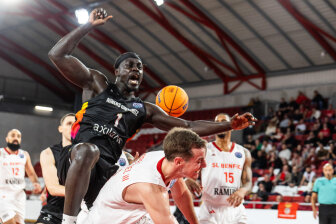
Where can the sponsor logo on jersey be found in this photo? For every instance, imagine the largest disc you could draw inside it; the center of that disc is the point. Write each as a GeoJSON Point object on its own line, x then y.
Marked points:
{"type": "Point", "coordinates": [212, 212]}
{"type": "Point", "coordinates": [224, 190]}
{"type": "Point", "coordinates": [137, 105]}
{"type": "Point", "coordinates": [238, 155]}
{"type": "Point", "coordinates": [21, 155]}
{"type": "Point", "coordinates": [122, 162]}
{"type": "Point", "coordinates": [123, 107]}
{"type": "Point", "coordinates": [171, 183]}
{"type": "Point", "coordinates": [104, 130]}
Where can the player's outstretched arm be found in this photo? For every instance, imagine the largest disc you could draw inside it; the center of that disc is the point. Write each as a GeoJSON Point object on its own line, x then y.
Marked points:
{"type": "Point", "coordinates": [32, 175]}
{"type": "Point", "coordinates": [72, 68]}
{"type": "Point", "coordinates": [49, 173]}
{"type": "Point", "coordinates": [160, 119]}
{"type": "Point", "coordinates": [183, 200]}
{"type": "Point", "coordinates": [246, 179]}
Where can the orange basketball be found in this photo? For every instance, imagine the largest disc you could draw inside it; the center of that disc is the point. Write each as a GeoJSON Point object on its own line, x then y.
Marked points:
{"type": "Point", "coordinates": [173, 99]}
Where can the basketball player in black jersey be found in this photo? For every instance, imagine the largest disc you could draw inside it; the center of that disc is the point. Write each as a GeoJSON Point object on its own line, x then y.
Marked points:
{"type": "Point", "coordinates": [110, 114]}
{"type": "Point", "coordinates": [52, 212]}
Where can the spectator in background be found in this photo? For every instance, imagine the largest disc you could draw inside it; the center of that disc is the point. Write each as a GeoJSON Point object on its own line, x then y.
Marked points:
{"type": "Point", "coordinates": [271, 127]}
{"type": "Point", "coordinates": [284, 177]}
{"type": "Point", "coordinates": [311, 139]}
{"type": "Point", "coordinates": [325, 131]}
{"type": "Point", "coordinates": [266, 146]}
{"type": "Point", "coordinates": [318, 100]}
{"type": "Point", "coordinates": [249, 142]}
{"type": "Point", "coordinates": [279, 199]}
{"type": "Point", "coordinates": [302, 98]}
{"type": "Point", "coordinates": [315, 115]}
{"type": "Point", "coordinates": [330, 112]}
{"type": "Point", "coordinates": [285, 122]}
{"type": "Point", "coordinates": [296, 160]}
{"type": "Point", "coordinates": [296, 176]}
{"type": "Point", "coordinates": [300, 128]}
{"type": "Point", "coordinates": [289, 140]}
{"type": "Point", "coordinates": [293, 105]}
{"type": "Point", "coordinates": [283, 106]}
{"type": "Point", "coordinates": [320, 138]}
{"type": "Point", "coordinates": [267, 183]}
{"type": "Point", "coordinates": [260, 162]}
{"type": "Point", "coordinates": [262, 193]}
{"type": "Point", "coordinates": [332, 150]}
{"type": "Point", "coordinates": [290, 190]}
{"type": "Point", "coordinates": [285, 153]}
{"type": "Point", "coordinates": [308, 176]}
{"type": "Point", "coordinates": [274, 161]}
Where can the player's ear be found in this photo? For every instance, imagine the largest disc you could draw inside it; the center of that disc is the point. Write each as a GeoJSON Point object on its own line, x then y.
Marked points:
{"type": "Point", "coordinates": [116, 72]}
{"type": "Point", "coordinates": [178, 161]}
{"type": "Point", "coordinates": [60, 129]}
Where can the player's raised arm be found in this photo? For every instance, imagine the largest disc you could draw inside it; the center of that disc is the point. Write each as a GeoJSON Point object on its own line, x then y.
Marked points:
{"type": "Point", "coordinates": [157, 117]}
{"type": "Point", "coordinates": [71, 68]}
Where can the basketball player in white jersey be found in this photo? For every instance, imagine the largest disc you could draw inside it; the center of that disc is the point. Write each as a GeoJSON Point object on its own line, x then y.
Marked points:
{"type": "Point", "coordinates": [14, 163]}
{"type": "Point", "coordinates": [225, 181]}
{"type": "Point", "coordinates": [142, 188]}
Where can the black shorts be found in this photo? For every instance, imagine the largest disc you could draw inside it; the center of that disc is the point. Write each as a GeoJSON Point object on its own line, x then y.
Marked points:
{"type": "Point", "coordinates": [47, 218]}
{"type": "Point", "coordinates": [100, 173]}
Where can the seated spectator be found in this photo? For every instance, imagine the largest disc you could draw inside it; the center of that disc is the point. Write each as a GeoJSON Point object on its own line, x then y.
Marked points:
{"type": "Point", "coordinates": [315, 115]}
{"type": "Point", "coordinates": [249, 142]}
{"type": "Point", "coordinates": [273, 161]}
{"type": "Point", "coordinates": [283, 104]}
{"type": "Point", "coordinates": [297, 116]}
{"type": "Point", "coordinates": [262, 193]}
{"type": "Point", "coordinates": [325, 131]}
{"type": "Point", "coordinates": [296, 176]}
{"type": "Point", "coordinates": [332, 150]}
{"type": "Point", "coordinates": [311, 158]}
{"type": "Point", "coordinates": [322, 154]}
{"type": "Point", "coordinates": [300, 128]}
{"type": "Point", "coordinates": [285, 152]}
{"type": "Point", "coordinates": [271, 127]}
{"type": "Point", "coordinates": [308, 176]}
{"type": "Point", "coordinates": [279, 199]}
{"type": "Point", "coordinates": [289, 140]}
{"type": "Point", "coordinates": [322, 139]}
{"type": "Point", "coordinates": [311, 139]}
{"type": "Point", "coordinates": [266, 146]}
{"type": "Point", "coordinates": [296, 160]}
{"type": "Point", "coordinates": [290, 190]}
{"type": "Point", "coordinates": [285, 122]}
{"type": "Point", "coordinates": [302, 98]}
{"type": "Point", "coordinates": [330, 112]}
{"type": "Point", "coordinates": [284, 177]}
{"type": "Point", "coordinates": [267, 183]}
{"type": "Point", "coordinates": [307, 199]}
{"type": "Point", "coordinates": [278, 136]}
{"type": "Point", "coordinates": [260, 162]}
{"type": "Point", "coordinates": [292, 105]}
{"type": "Point", "coordinates": [318, 100]}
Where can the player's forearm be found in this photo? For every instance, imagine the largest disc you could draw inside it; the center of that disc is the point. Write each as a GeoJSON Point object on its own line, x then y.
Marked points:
{"type": "Point", "coordinates": [33, 177]}
{"type": "Point", "coordinates": [204, 128]}
{"type": "Point", "coordinates": [186, 206]}
{"type": "Point", "coordinates": [313, 202]}
{"type": "Point", "coordinates": [68, 43]}
{"type": "Point", "coordinates": [56, 190]}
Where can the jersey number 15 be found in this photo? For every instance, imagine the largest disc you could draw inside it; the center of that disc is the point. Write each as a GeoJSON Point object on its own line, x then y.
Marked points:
{"type": "Point", "coordinates": [229, 177]}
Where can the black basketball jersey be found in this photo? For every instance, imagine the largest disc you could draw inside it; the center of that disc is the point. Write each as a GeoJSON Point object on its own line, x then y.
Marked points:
{"type": "Point", "coordinates": [55, 204]}
{"type": "Point", "coordinates": [107, 121]}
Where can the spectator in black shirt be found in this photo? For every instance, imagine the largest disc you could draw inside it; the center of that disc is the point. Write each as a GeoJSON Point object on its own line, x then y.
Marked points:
{"type": "Point", "coordinates": [267, 183]}
{"type": "Point", "coordinates": [262, 193]}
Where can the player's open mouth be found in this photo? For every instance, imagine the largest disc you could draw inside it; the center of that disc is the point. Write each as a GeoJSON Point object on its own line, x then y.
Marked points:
{"type": "Point", "coordinates": [134, 79]}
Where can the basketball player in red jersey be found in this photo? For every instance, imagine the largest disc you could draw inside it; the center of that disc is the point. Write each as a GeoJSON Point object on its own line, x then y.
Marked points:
{"type": "Point", "coordinates": [225, 181]}
{"type": "Point", "coordinates": [109, 116]}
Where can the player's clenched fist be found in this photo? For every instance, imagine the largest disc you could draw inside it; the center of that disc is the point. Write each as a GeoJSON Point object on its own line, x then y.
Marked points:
{"type": "Point", "coordinates": [239, 122]}
{"type": "Point", "coordinates": [98, 17]}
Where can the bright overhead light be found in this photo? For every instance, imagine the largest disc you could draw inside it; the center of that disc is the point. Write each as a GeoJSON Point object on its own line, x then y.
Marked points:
{"type": "Point", "coordinates": [159, 2]}
{"type": "Point", "coordinates": [43, 108]}
{"type": "Point", "coordinates": [82, 16]}
{"type": "Point", "coordinates": [9, 2]}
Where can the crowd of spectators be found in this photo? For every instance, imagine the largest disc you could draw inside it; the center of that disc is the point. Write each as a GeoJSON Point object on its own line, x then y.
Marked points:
{"type": "Point", "coordinates": [292, 145]}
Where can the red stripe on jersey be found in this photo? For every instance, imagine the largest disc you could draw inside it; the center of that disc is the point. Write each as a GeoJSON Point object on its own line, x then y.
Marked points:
{"type": "Point", "coordinates": [16, 152]}
{"type": "Point", "coordinates": [159, 168]}
{"type": "Point", "coordinates": [232, 146]}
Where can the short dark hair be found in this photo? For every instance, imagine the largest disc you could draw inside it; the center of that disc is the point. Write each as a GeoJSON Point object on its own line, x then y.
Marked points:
{"type": "Point", "coordinates": [180, 142]}
{"type": "Point", "coordinates": [65, 116]}
{"type": "Point", "coordinates": [124, 56]}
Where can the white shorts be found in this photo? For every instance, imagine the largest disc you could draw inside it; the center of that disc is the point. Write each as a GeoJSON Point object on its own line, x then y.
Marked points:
{"type": "Point", "coordinates": [222, 215]}
{"type": "Point", "coordinates": [12, 206]}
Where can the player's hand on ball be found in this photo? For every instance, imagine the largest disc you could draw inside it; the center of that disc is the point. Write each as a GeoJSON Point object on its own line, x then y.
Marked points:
{"type": "Point", "coordinates": [98, 17]}
{"type": "Point", "coordinates": [236, 198]}
{"type": "Point", "coordinates": [194, 187]}
{"type": "Point", "coordinates": [239, 122]}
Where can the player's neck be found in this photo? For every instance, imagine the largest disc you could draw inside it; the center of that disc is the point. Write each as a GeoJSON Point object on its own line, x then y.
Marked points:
{"type": "Point", "coordinates": [123, 90]}
{"type": "Point", "coordinates": [224, 144]}
{"type": "Point", "coordinates": [65, 142]}
{"type": "Point", "coordinates": [168, 171]}
{"type": "Point", "coordinates": [11, 151]}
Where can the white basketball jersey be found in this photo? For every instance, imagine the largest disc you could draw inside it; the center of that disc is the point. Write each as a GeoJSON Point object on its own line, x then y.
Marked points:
{"type": "Point", "coordinates": [110, 205]}
{"type": "Point", "coordinates": [222, 176]}
{"type": "Point", "coordinates": [12, 172]}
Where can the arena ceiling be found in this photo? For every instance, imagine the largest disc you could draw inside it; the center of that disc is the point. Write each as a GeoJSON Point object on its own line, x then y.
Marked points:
{"type": "Point", "coordinates": [182, 42]}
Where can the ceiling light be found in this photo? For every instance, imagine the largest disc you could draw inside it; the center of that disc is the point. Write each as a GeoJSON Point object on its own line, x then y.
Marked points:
{"type": "Point", "coordinates": [159, 2]}
{"type": "Point", "coordinates": [43, 108]}
{"type": "Point", "coordinates": [9, 2]}
{"type": "Point", "coordinates": [82, 16]}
